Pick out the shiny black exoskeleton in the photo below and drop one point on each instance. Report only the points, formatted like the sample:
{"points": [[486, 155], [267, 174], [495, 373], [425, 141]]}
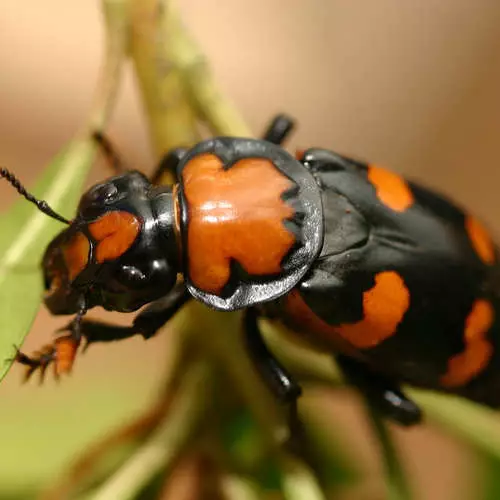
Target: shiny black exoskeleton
{"points": [[399, 283]]}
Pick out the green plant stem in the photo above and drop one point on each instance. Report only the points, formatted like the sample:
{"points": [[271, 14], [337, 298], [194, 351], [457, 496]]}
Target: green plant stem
{"points": [[168, 441], [398, 487], [235, 487], [117, 36], [221, 337], [88, 464], [212, 107], [475, 424], [26, 231], [298, 481], [172, 119]]}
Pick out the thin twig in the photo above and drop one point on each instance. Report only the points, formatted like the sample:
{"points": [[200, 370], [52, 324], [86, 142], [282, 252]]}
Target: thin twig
{"points": [[117, 31], [298, 480], [86, 464], [167, 443], [397, 484], [212, 107], [234, 487], [172, 119]]}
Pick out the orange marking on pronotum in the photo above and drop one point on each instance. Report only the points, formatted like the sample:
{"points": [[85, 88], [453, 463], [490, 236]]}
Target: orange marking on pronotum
{"points": [[115, 233], [384, 306], [480, 240], [235, 214], [392, 190], [76, 254], [478, 350]]}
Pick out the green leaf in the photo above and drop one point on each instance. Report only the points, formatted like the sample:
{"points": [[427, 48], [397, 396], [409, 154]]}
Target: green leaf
{"points": [[65, 418], [24, 236], [489, 479], [472, 422]]}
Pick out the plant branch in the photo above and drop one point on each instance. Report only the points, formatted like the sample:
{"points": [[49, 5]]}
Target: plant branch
{"points": [[221, 337], [211, 105], [397, 484], [234, 487], [139, 429], [298, 481], [117, 30], [172, 119], [168, 441]]}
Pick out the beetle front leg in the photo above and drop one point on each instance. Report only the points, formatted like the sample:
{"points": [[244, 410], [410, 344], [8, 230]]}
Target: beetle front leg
{"points": [[62, 352], [384, 394], [146, 323], [276, 377]]}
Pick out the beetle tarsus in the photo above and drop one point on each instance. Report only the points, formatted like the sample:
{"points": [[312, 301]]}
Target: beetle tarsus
{"points": [[60, 354], [279, 129]]}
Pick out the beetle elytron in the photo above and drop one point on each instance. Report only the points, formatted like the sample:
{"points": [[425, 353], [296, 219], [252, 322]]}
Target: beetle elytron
{"points": [[399, 283]]}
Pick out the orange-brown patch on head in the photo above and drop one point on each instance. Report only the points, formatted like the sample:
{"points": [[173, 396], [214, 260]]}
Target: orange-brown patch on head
{"points": [[76, 254], [115, 232], [234, 214], [478, 350], [391, 189], [384, 306], [480, 240]]}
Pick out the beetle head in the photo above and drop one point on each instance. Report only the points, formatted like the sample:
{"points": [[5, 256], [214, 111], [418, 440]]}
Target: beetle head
{"points": [[112, 253]]}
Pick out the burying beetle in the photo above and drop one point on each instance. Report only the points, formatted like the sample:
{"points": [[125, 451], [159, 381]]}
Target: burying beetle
{"points": [[397, 282]]}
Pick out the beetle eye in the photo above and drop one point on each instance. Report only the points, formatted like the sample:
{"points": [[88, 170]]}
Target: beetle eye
{"points": [[130, 276], [104, 193]]}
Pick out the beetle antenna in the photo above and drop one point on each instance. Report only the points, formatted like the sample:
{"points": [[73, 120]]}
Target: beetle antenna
{"points": [[41, 204]]}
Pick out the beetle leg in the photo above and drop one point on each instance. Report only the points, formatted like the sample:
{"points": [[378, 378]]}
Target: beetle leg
{"points": [[62, 351], [146, 323], [384, 394], [112, 157], [279, 129], [276, 377], [168, 164], [60, 354]]}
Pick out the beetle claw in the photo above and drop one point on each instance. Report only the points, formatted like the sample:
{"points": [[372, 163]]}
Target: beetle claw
{"points": [[61, 354]]}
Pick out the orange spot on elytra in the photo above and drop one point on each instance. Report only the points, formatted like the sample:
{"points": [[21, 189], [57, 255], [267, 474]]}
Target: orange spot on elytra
{"points": [[478, 351], [76, 254], [480, 240], [235, 214], [392, 190], [384, 306], [309, 325], [115, 232]]}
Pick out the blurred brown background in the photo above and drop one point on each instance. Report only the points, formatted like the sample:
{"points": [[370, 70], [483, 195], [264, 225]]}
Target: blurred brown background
{"points": [[410, 85]]}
